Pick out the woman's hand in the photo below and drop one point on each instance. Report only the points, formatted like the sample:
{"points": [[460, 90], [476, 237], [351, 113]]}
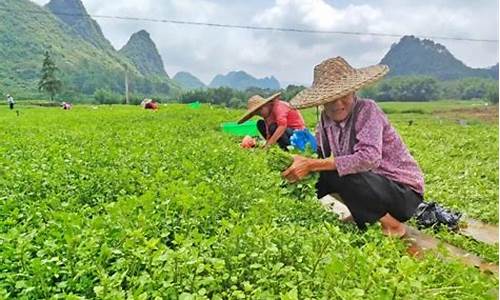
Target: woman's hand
{"points": [[298, 170]]}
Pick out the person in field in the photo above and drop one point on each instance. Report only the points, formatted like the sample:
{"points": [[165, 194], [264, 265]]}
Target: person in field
{"points": [[279, 121], [10, 101], [362, 157], [66, 105], [150, 104]]}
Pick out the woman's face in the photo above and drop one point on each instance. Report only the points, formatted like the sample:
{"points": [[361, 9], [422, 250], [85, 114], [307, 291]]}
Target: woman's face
{"points": [[340, 109], [266, 110]]}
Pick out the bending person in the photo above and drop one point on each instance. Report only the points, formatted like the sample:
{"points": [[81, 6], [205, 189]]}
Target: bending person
{"points": [[363, 159], [279, 121]]}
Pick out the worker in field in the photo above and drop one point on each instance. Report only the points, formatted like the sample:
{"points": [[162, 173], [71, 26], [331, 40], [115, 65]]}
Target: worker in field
{"points": [[10, 101], [362, 157], [279, 121], [150, 104], [66, 105]]}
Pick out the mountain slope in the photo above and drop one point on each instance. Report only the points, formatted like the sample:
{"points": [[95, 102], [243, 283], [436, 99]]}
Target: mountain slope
{"points": [[70, 13], [188, 81], [142, 52], [413, 56], [241, 80], [26, 34]]}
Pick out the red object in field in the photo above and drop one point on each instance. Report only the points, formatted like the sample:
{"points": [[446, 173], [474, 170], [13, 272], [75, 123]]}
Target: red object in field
{"points": [[151, 105], [248, 142]]}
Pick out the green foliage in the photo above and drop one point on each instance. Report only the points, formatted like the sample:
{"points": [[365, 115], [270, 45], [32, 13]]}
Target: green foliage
{"points": [[49, 82], [279, 160], [103, 96], [117, 202], [291, 91], [468, 88], [403, 89], [228, 97], [220, 96], [492, 95], [421, 88], [84, 67]]}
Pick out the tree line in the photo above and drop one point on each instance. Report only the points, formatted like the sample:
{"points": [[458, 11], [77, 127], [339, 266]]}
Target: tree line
{"points": [[425, 88], [403, 88]]}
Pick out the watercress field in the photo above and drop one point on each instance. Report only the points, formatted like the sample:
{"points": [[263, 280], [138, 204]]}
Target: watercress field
{"points": [[121, 203]]}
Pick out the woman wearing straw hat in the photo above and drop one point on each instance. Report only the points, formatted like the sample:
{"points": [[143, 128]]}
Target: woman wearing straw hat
{"points": [[279, 119], [363, 159]]}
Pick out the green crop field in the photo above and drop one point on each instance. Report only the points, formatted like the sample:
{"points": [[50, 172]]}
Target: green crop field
{"points": [[115, 202]]}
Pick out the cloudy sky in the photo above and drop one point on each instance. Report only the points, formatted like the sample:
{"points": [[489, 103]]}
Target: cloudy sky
{"points": [[207, 51]]}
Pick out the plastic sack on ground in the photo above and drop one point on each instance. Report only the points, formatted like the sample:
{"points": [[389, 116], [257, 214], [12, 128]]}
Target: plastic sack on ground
{"points": [[431, 214], [301, 138]]}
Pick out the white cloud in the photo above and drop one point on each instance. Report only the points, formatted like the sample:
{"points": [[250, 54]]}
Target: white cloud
{"points": [[207, 51]]}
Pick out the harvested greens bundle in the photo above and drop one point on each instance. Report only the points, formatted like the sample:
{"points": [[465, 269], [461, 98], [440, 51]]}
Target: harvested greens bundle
{"points": [[279, 160]]}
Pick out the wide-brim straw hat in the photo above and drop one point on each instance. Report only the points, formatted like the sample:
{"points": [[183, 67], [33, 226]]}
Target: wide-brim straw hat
{"points": [[334, 78], [255, 103]]}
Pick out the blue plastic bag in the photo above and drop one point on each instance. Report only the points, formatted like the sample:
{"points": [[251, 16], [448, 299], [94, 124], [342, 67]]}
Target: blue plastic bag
{"points": [[301, 138]]}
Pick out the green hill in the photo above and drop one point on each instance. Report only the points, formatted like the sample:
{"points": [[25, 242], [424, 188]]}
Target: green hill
{"points": [[142, 52], [87, 61], [68, 10], [413, 56], [188, 81]]}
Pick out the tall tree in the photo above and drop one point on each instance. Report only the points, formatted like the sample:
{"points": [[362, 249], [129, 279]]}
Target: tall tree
{"points": [[48, 81]]}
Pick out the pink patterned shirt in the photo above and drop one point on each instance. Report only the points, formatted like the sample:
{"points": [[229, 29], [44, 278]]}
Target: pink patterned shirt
{"points": [[372, 144]]}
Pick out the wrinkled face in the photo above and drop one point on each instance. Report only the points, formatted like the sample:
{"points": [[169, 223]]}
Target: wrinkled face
{"points": [[266, 110], [340, 109]]}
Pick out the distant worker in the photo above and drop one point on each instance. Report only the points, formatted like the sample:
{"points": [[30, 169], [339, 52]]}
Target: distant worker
{"points": [[143, 103], [10, 101], [151, 104], [66, 105], [279, 119]]}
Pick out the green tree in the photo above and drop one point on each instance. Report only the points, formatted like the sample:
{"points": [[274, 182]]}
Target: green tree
{"points": [[104, 96], [48, 81], [492, 94], [290, 91]]}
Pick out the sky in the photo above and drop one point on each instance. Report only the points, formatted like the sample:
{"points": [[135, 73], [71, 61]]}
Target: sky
{"points": [[291, 57]]}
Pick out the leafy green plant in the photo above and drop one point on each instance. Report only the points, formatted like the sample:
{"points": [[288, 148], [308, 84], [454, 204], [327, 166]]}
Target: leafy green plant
{"points": [[118, 202]]}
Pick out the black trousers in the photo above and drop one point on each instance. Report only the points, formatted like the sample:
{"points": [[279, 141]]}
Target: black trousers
{"points": [[283, 141], [11, 105], [370, 196]]}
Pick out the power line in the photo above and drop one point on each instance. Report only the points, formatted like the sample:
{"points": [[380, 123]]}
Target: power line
{"points": [[251, 27]]}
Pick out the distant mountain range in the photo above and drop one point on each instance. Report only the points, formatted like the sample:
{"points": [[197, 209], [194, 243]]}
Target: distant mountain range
{"points": [[241, 80], [414, 56]]}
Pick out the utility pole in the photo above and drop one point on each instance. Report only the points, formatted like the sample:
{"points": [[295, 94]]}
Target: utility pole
{"points": [[126, 84]]}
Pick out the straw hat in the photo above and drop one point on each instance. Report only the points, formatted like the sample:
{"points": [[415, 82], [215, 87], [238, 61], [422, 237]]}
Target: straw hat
{"points": [[255, 103], [333, 79]]}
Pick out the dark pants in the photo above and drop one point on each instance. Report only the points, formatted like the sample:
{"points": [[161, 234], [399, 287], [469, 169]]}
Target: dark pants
{"points": [[11, 105], [370, 196], [283, 141]]}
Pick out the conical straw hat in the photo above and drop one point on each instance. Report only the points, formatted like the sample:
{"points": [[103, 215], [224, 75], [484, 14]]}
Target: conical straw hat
{"points": [[254, 104], [333, 79]]}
